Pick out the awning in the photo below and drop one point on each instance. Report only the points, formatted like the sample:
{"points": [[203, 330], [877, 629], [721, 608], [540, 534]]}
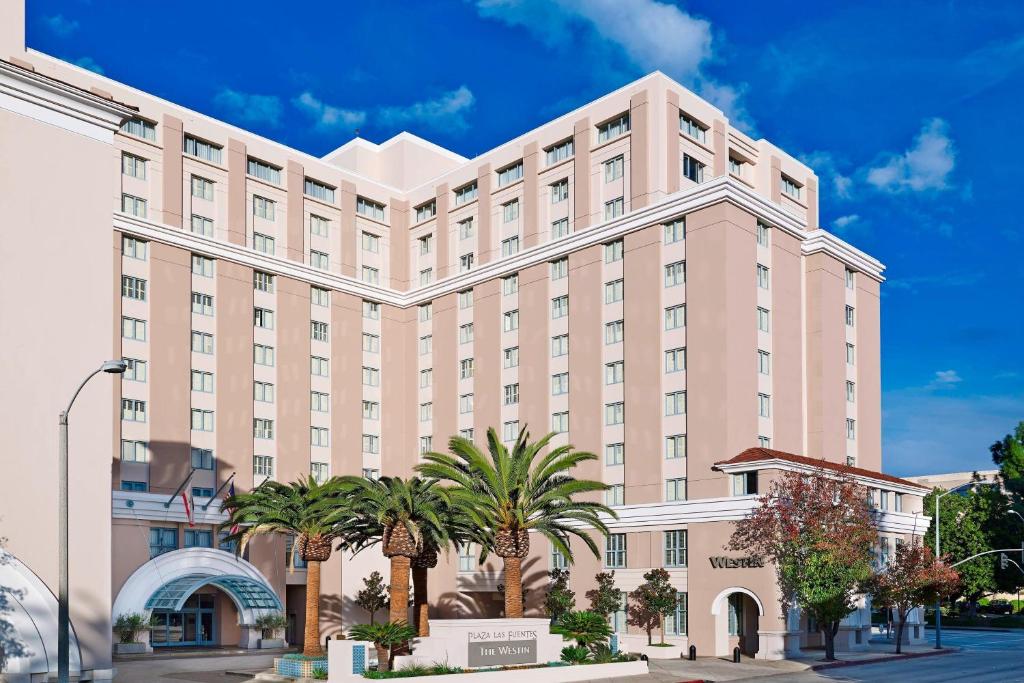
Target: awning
{"points": [[246, 592]]}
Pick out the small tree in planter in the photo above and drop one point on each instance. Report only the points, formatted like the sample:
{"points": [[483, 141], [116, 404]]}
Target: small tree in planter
{"points": [[652, 601], [606, 599], [374, 596], [128, 626], [559, 599], [384, 637], [270, 624]]}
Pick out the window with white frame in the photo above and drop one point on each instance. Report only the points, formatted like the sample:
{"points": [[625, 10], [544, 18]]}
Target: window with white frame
{"points": [[510, 321], [762, 234], [371, 310], [558, 560], [466, 262], [736, 166], [613, 168], [511, 392], [559, 345], [691, 127], [371, 342], [675, 317], [613, 128], [510, 431], [614, 495], [202, 266], [466, 333], [510, 357], [425, 211], [559, 268], [466, 403], [204, 150], [467, 558], [202, 420], [614, 454], [318, 190], [764, 405], [318, 225], [675, 403], [371, 275], [262, 428], [764, 362], [319, 331], [675, 360], [319, 259], [263, 207], [675, 489], [426, 412], [559, 228], [371, 443], [850, 278], [613, 291], [202, 225], [850, 354], [371, 242], [203, 304], [426, 311], [133, 288], [319, 471], [466, 228], [134, 451], [319, 436], [320, 402], [675, 231], [675, 548], [426, 243], [851, 428], [426, 344], [370, 209], [510, 246], [202, 381], [263, 243], [510, 211], [426, 444], [763, 319], [613, 208], [133, 410], [764, 441], [319, 296], [614, 372], [614, 413], [762, 276], [261, 281], [791, 187], [466, 299], [675, 446], [426, 378], [849, 316], [510, 174], [263, 170], [133, 328], [850, 391], [263, 465], [675, 274], [371, 410], [135, 370], [560, 306], [263, 317], [133, 166], [613, 251], [560, 422], [465, 194], [466, 433], [426, 276], [615, 551], [202, 342], [559, 152], [560, 383], [466, 368], [614, 331], [560, 191], [133, 205], [140, 128], [263, 355], [693, 169], [744, 483], [510, 284], [320, 366]]}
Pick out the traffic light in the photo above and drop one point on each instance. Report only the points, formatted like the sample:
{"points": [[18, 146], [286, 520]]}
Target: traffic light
{"points": [[1004, 561]]}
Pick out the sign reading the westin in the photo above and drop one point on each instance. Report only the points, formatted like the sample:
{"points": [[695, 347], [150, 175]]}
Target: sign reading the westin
{"points": [[501, 648], [719, 562]]}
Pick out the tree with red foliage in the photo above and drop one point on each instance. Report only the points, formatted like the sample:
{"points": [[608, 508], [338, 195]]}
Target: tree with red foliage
{"points": [[912, 577], [817, 530]]}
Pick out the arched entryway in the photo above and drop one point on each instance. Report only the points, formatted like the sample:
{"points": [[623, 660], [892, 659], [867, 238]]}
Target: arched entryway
{"points": [[198, 597], [737, 613]]}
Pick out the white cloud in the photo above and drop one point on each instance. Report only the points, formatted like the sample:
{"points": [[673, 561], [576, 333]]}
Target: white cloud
{"points": [[325, 116], [250, 108], [90, 64], [60, 26], [832, 179], [446, 112], [925, 166], [946, 378], [844, 222]]}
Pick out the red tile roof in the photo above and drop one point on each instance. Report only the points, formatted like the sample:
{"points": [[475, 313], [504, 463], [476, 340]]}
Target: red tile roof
{"points": [[761, 454]]}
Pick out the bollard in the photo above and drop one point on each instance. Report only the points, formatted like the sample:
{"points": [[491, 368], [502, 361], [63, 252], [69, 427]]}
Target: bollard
{"points": [[736, 655], [693, 653]]}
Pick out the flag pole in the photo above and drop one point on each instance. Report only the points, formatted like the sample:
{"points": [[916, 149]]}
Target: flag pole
{"points": [[222, 487], [178, 490]]}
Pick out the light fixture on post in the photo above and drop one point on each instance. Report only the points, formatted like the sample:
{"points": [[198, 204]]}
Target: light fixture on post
{"points": [[113, 367]]}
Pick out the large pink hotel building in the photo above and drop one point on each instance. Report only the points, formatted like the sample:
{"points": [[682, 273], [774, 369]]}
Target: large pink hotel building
{"points": [[637, 275]]}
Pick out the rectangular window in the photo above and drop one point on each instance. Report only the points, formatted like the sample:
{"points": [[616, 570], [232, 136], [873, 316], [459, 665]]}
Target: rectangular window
{"points": [[613, 169], [850, 391], [202, 188], [675, 548], [371, 242], [319, 366], [137, 486], [510, 246], [560, 306], [466, 368], [425, 211], [318, 190], [675, 274], [202, 225], [613, 291], [319, 436], [762, 234], [744, 483], [426, 378], [263, 243], [371, 342], [466, 433], [465, 194], [510, 357], [202, 149], [764, 441], [319, 471], [465, 263], [558, 560], [614, 331], [202, 304], [559, 345], [135, 206], [791, 187], [465, 229], [764, 362], [467, 558], [202, 266], [615, 454], [263, 317], [202, 342], [510, 174], [510, 430], [675, 490], [426, 444], [675, 403], [675, 360], [466, 403], [675, 317], [675, 446], [263, 355], [736, 166], [426, 244], [426, 344], [426, 276], [136, 370], [762, 276], [202, 458], [850, 354], [762, 319], [371, 410], [560, 422], [202, 381], [371, 275], [371, 310], [510, 321], [849, 316], [263, 465], [614, 413], [675, 231], [510, 284], [511, 394], [466, 299], [133, 248], [371, 377], [202, 420], [140, 128], [613, 251], [560, 383], [263, 207], [263, 171], [559, 228], [676, 623], [133, 410], [560, 191], [466, 333], [693, 169], [133, 288], [615, 551], [613, 128], [558, 152], [510, 211], [320, 402], [613, 208], [318, 331], [133, 166], [559, 268], [370, 209], [319, 259], [614, 372], [851, 428], [132, 328], [764, 405], [850, 278], [263, 282], [371, 443], [162, 541], [614, 495], [134, 451], [690, 126], [318, 225]]}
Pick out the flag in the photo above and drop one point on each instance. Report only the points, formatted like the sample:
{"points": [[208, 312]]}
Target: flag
{"points": [[186, 498], [231, 493]]}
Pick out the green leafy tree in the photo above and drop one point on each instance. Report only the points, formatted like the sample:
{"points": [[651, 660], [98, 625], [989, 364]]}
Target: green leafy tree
{"points": [[817, 531], [651, 602], [373, 596], [559, 599], [510, 493], [1008, 454], [586, 628], [384, 637], [307, 509], [605, 599]]}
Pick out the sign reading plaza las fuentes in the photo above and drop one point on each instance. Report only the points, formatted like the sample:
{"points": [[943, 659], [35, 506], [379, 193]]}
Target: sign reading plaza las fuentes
{"points": [[502, 647]]}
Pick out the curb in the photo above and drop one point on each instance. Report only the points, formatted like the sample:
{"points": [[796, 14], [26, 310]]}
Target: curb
{"points": [[887, 658]]}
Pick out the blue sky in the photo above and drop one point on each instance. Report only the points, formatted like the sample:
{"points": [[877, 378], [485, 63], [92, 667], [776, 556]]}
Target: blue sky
{"points": [[908, 111]]}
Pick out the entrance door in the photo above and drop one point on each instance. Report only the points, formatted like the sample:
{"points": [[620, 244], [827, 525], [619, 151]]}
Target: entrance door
{"points": [[193, 625]]}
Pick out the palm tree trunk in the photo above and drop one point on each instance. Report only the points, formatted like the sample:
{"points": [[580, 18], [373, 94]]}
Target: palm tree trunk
{"points": [[383, 657], [399, 611], [311, 643], [420, 607], [513, 588]]}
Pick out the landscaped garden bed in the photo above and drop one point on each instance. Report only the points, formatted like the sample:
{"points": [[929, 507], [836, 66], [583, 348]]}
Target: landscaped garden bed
{"points": [[541, 673]]}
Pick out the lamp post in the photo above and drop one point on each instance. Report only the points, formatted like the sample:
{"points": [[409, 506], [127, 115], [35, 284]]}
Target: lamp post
{"points": [[114, 367]]}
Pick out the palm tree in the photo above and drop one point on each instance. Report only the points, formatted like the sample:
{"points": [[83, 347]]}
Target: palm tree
{"points": [[406, 518], [585, 627], [384, 637], [306, 509], [510, 493]]}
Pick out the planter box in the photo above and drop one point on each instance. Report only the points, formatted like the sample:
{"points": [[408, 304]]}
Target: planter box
{"points": [[131, 648], [548, 674], [654, 652], [271, 643], [298, 668]]}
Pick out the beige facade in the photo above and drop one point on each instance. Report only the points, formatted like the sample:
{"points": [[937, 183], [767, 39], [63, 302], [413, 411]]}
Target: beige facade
{"points": [[636, 275]]}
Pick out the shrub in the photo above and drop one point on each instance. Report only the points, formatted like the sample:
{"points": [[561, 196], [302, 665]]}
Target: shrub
{"points": [[574, 654], [268, 623], [384, 637], [320, 674], [128, 625], [585, 627]]}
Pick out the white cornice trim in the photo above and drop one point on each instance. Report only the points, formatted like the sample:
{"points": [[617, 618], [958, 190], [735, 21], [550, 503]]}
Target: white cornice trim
{"points": [[786, 465], [45, 99], [821, 241], [721, 189]]}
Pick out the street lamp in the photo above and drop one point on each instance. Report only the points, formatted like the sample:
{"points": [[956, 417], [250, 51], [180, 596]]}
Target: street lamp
{"points": [[938, 600], [113, 367]]}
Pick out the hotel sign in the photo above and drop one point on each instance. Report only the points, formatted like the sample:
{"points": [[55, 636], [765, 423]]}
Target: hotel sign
{"points": [[502, 647], [722, 562]]}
